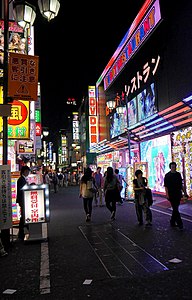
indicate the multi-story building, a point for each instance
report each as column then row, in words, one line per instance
column 150, row 76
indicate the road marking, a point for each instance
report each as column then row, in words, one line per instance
column 169, row 214
column 118, row 254
column 44, row 269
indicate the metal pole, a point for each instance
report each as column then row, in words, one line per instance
column 5, row 77
column 128, row 133
column 5, row 233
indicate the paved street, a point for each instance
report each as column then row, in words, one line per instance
column 101, row 259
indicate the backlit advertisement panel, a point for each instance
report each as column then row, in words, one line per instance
column 93, row 118
column 143, row 25
column 118, row 124
column 157, row 153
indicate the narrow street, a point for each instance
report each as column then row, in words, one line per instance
column 101, row 259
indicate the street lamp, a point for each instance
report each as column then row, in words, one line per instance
column 111, row 104
column 120, row 108
column 49, row 9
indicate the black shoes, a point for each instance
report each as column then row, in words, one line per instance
column 173, row 224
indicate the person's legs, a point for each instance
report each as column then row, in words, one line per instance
column 95, row 199
column 176, row 217
column 139, row 212
column 2, row 250
column 148, row 214
column 113, row 207
column 21, row 234
column 108, row 200
column 100, row 196
column 90, row 202
column 87, row 204
column 108, row 204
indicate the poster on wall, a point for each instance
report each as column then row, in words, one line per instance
column 157, row 153
column 118, row 124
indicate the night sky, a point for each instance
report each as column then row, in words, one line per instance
column 74, row 49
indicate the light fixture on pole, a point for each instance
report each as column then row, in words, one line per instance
column 128, row 132
column 17, row 12
column 24, row 13
column 49, row 8
column 120, row 108
column 111, row 104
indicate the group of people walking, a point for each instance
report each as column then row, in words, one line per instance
column 111, row 186
column 94, row 185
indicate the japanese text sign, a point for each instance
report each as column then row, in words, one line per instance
column 36, row 209
column 23, row 76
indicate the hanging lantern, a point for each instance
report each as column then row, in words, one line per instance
column 120, row 109
column 111, row 104
column 49, row 8
column 24, row 14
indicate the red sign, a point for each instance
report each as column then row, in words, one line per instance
column 19, row 113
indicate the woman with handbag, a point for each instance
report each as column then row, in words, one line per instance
column 87, row 190
column 111, row 191
column 141, row 203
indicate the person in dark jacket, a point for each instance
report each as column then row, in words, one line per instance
column 111, row 191
column 173, row 188
column 20, row 198
column 141, row 204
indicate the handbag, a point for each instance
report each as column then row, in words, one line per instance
column 149, row 196
column 93, row 187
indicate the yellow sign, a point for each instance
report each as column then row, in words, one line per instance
column 23, row 76
column 18, row 122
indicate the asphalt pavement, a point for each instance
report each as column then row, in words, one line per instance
column 101, row 259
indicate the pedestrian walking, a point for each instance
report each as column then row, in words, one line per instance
column 141, row 204
column 20, row 198
column 47, row 179
column 60, row 179
column 111, row 191
column 121, row 179
column 55, row 182
column 174, row 188
column 87, row 184
column 99, row 184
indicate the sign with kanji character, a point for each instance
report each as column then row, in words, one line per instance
column 18, row 122
column 36, row 203
column 23, row 76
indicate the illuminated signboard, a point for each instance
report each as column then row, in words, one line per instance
column 18, row 122
column 17, row 42
column 28, row 146
column 38, row 129
column 93, row 118
column 23, row 76
column 36, row 203
column 143, row 25
column 75, row 127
